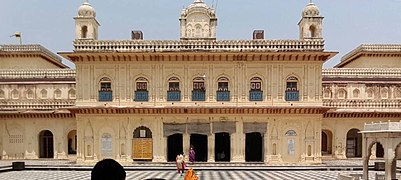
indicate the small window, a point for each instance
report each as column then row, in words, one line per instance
column 384, row 93
column 312, row 31
column 342, row 94
column 256, row 84
column 15, row 94
column 327, row 93
column 141, row 84
column 222, row 84
column 105, row 84
column 43, row 92
column 398, row 93
column 199, row 84
column 29, row 94
column 355, row 93
column 84, row 32
column 2, row 94
column 174, row 84
column 292, row 84
column 71, row 94
column 57, row 94
column 370, row 93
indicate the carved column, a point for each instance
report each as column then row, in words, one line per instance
column 186, row 142
column 238, row 145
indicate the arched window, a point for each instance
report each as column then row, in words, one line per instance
column 256, row 93
column 327, row 93
column 292, row 93
column 29, row 94
column 84, row 32
column 370, row 93
column 14, row 94
column 173, row 93
column 71, row 94
column 141, row 93
column 384, row 93
column 312, row 31
column 105, row 92
column 223, row 93
column 342, row 94
column 43, row 93
column 355, row 93
column 198, row 31
column 57, row 94
column 199, row 91
column 2, row 94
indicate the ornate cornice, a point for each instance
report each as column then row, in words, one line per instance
column 362, row 115
column 362, row 73
column 35, row 104
column 363, row 103
column 36, row 114
column 200, row 110
column 198, row 45
column 29, row 51
column 371, row 50
column 45, row 74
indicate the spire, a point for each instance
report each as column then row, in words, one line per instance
column 198, row 1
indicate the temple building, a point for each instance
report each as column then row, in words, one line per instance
column 256, row 100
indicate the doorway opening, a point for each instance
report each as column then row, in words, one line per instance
column 222, row 147
column 199, row 142
column 253, row 147
column 46, row 148
column 354, row 143
column 174, row 146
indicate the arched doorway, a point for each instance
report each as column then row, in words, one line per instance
column 379, row 150
column 142, row 144
column 327, row 139
column 46, row 148
column 222, row 147
column 354, row 143
column 199, row 142
column 253, row 147
column 72, row 142
column 174, row 146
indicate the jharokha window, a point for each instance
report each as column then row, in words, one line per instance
column 174, row 93
column 141, row 93
column 105, row 92
column 198, row 92
column 223, row 93
column 291, row 92
column 256, row 93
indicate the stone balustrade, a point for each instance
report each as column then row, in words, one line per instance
column 361, row 72
column 37, row 73
column 198, row 45
column 36, row 104
column 363, row 103
column 373, row 48
column 29, row 49
column 383, row 126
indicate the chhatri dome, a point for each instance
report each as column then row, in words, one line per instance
column 311, row 10
column 86, row 10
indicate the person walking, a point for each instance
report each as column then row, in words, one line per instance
column 192, row 154
column 180, row 163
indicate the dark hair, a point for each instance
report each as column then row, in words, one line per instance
column 108, row 169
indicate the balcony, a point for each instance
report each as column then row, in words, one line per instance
column 292, row 95
column 255, row 95
column 173, row 95
column 105, row 96
column 141, row 96
column 198, row 95
column 223, row 95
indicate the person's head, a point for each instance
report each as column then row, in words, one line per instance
column 108, row 169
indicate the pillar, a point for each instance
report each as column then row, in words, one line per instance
column 393, row 168
column 265, row 148
column 388, row 158
column 186, row 143
column 366, row 167
column 238, row 143
column 365, row 156
column 210, row 147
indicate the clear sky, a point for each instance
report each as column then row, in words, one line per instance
column 347, row 23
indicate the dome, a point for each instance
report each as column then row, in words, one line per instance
column 86, row 10
column 311, row 10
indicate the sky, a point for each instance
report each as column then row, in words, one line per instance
column 347, row 23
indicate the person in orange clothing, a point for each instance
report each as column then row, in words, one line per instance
column 190, row 175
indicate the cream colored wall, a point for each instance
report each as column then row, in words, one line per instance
column 1, row 139
column 121, row 128
column 375, row 62
column 273, row 74
column 67, row 91
column 26, row 63
column 30, row 129
column 340, row 127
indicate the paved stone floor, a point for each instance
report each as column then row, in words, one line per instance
column 172, row 175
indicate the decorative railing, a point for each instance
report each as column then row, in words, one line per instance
column 198, row 95
column 292, row 95
column 383, row 126
column 255, row 95
column 361, row 72
column 223, row 95
column 105, row 96
column 198, row 45
column 37, row 73
column 141, row 96
column 363, row 103
column 36, row 104
column 373, row 48
column 173, row 95
column 30, row 48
